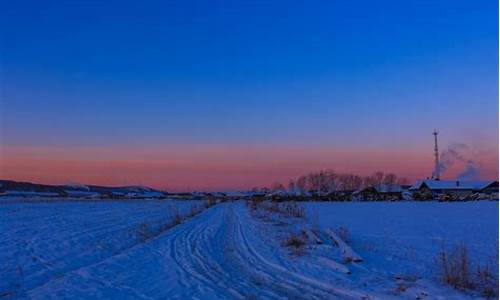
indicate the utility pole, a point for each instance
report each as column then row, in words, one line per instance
column 436, row 155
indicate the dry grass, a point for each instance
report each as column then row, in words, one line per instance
column 296, row 242
column 486, row 281
column 268, row 210
column 458, row 271
column 455, row 267
column 210, row 202
column 343, row 233
column 287, row 209
column 145, row 232
column 254, row 204
column 314, row 220
column 292, row 209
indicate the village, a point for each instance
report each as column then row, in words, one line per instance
column 324, row 185
column 422, row 190
column 329, row 186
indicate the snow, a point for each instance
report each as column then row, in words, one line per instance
column 451, row 184
column 77, row 186
column 94, row 249
column 30, row 194
column 405, row 237
column 42, row 240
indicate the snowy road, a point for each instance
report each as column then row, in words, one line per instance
column 221, row 257
column 215, row 255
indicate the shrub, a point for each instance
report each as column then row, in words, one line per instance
column 486, row 282
column 177, row 219
column 456, row 270
column 211, row 201
column 296, row 242
column 455, row 267
column 254, row 204
column 292, row 209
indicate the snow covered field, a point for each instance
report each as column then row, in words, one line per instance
column 230, row 251
column 42, row 240
column 404, row 238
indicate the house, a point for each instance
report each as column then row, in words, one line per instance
column 390, row 191
column 342, row 195
column 454, row 187
column 364, row 194
column 384, row 191
column 491, row 187
column 277, row 195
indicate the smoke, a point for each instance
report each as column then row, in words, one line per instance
column 470, row 172
column 457, row 153
column 450, row 156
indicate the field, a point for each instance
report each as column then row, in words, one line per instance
column 239, row 250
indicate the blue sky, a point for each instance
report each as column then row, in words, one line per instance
column 360, row 74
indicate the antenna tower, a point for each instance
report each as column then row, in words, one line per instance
column 436, row 156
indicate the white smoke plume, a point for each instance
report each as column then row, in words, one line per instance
column 457, row 153
column 470, row 173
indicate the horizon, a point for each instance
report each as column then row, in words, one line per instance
column 423, row 164
column 228, row 96
column 410, row 183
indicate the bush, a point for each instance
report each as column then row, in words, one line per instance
column 292, row 209
column 254, row 204
column 486, row 282
column 286, row 209
column 455, row 267
column 211, row 201
column 296, row 242
column 457, row 270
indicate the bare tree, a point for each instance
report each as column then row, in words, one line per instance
column 328, row 181
column 402, row 181
column 390, row 179
column 277, row 187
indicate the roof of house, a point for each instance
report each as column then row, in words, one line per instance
column 451, row 184
column 381, row 188
column 388, row 188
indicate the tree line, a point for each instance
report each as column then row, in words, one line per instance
column 328, row 181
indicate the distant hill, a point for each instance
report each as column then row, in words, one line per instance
column 10, row 187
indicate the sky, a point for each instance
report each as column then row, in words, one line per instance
column 227, row 95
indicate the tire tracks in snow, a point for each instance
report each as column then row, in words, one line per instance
column 218, row 255
column 104, row 258
column 214, row 255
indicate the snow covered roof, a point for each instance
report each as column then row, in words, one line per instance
column 382, row 188
column 277, row 193
column 76, row 186
column 238, row 194
column 451, row 184
column 388, row 188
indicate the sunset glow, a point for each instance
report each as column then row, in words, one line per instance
column 189, row 95
column 187, row 168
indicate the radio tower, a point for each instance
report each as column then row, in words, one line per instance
column 436, row 155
